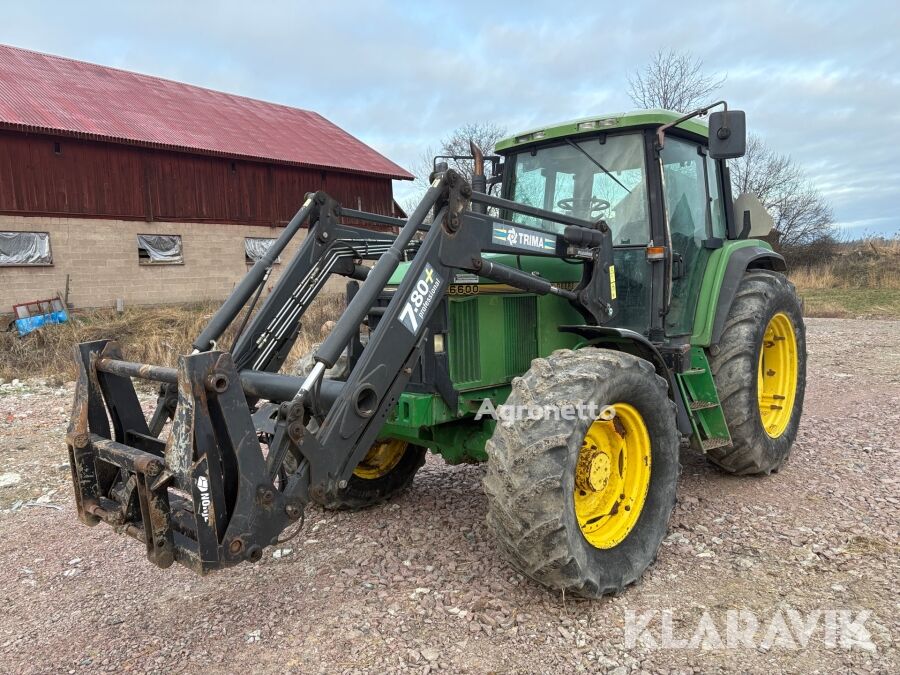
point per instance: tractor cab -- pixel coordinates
(668, 208)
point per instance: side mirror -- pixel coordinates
(727, 134)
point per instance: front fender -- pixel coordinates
(630, 342)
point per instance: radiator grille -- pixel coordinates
(520, 330)
(464, 348)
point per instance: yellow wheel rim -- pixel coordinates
(381, 459)
(777, 377)
(612, 477)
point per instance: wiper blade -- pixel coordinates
(598, 164)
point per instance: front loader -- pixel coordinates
(610, 295)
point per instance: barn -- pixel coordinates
(116, 185)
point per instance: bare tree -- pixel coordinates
(673, 80)
(421, 169)
(485, 135)
(802, 217)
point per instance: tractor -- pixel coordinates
(610, 305)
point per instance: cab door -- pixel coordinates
(695, 214)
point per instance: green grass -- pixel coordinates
(850, 303)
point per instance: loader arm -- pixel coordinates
(215, 491)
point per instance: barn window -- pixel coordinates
(256, 247)
(57, 148)
(160, 249)
(25, 248)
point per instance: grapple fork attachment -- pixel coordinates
(204, 496)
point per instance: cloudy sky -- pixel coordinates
(819, 80)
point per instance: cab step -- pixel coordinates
(713, 443)
(702, 402)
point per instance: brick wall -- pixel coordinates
(101, 259)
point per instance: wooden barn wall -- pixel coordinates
(105, 180)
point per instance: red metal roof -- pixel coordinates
(40, 92)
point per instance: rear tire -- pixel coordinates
(535, 475)
(765, 306)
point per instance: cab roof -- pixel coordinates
(591, 125)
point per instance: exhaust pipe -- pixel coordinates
(479, 181)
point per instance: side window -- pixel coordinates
(688, 209)
(685, 185)
(716, 202)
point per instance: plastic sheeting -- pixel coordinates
(25, 248)
(31, 323)
(161, 248)
(257, 247)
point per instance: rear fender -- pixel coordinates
(724, 271)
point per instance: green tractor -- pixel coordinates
(611, 303)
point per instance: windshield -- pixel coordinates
(590, 179)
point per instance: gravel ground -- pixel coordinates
(417, 585)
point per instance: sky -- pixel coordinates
(820, 81)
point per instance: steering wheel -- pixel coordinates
(595, 204)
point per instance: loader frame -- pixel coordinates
(210, 496)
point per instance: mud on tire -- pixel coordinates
(531, 472)
(761, 295)
(361, 493)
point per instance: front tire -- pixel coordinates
(582, 504)
(759, 369)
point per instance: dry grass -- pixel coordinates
(851, 303)
(844, 275)
(155, 335)
(861, 281)
(871, 263)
